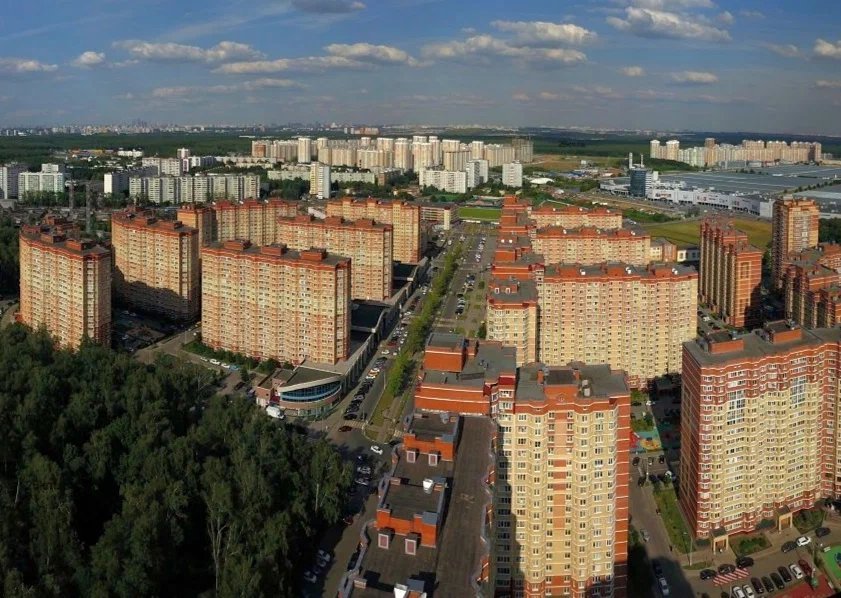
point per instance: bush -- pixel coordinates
(808, 519)
(746, 545)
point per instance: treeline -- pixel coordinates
(829, 230)
(121, 479)
(9, 259)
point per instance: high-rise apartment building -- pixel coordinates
(254, 221)
(456, 159)
(731, 273)
(512, 317)
(51, 179)
(65, 283)
(9, 177)
(320, 180)
(404, 218)
(575, 217)
(304, 150)
(156, 264)
(811, 285)
(590, 245)
(759, 421)
(273, 302)
(794, 227)
(635, 319)
(203, 219)
(366, 243)
(512, 175)
(446, 180)
(165, 166)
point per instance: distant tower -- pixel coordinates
(630, 160)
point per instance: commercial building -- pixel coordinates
(794, 228)
(9, 177)
(271, 302)
(320, 180)
(438, 214)
(449, 181)
(512, 317)
(404, 218)
(730, 273)
(642, 181)
(634, 318)
(51, 179)
(368, 245)
(156, 264)
(65, 283)
(425, 538)
(512, 175)
(590, 245)
(759, 420)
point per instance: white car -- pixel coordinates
(664, 587)
(376, 449)
(796, 571)
(310, 577)
(215, 362)
(385, 352)
(275, 412)
(804, 541)
(749, 591)
(225, 365)
(738, 592)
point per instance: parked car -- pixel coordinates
(778, 581)
(784, 573)
(769, 585)
(664, 587)
(804, 541)
(377, 450)
(310, 577)
(725, 568)
(349, 417)
(364, 469)
(788, 547)
(275, 412)
(635, 461)
(822, 531)
(214, 362)
(757, 585)
(749, 593)
(661, 459)
(796, 571)
(807, 568)
(645, 536)
(738, 592)
(707, 574)
(362, 481)
(657, 568)
(743, 562)
(323, 555)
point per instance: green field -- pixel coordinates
(687, 234)
(487, 214)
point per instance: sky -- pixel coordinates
(708, 65)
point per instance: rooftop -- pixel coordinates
(600, 379)
(512, 291)
(277, 252)
(409, 498)
(619, 269)
(491, 360)
(428, 426)
(757, 344)
(446, 340)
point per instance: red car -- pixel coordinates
(807, 570)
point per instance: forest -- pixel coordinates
(829, 230)
(122, 479)
(9, 261)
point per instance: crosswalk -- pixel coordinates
(723, 579)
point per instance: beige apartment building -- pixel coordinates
(404, 218)
(368, 245)
(794, 228)
(561, 500)
(731, 273)
(273, 302)
(512, 317)
(156, 264)
(759, 421)
(203, 219)
(590, 245)
(635, 319)
(575, 217)
(251, 220)
(65, 283)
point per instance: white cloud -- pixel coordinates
(785, 50)
(826, 84)
(647, 22)
(328, 6)
(551, 96)
(825, 49)
(11, 66)
(694, 78)
(486, 46)
(371, 53)
(632, 71)
(187, 90)
(673, 4)
(88, 59)
(542, 32)
(726, 17)
(171, 52)
(521, 97)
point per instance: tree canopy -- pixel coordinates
(9, 261)
(122, 479)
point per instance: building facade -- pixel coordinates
(575, 217)
(156, 264)
(320, 180)
(512, 175)
(512, 317)
(366, 243)
(65, 284)
(404, 218)
(730, 273)
(590, 245)
(9, 177)
(794, 228)
(274, 303)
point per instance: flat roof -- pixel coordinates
(446, 340)
(757, 346)
(429, 426)
(382, 568)
(408, 499)
(524, 290)
(491, 359)
(603, 381)
(366, 314)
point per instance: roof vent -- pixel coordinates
(428, 484)
(583, 272)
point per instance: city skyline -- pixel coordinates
(743, 65)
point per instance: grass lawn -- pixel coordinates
(687, 234)
(666, 500)
(487, 214)
(830, 565)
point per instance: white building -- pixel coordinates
(51, 179)
(320, 180)
(403, 154)
(118, 181)
(304, 150)
(451, 181)
(456, 159)
(193, 189)
(477, 173)
(165, 166)
(9, 175)
(512, 174)
(182, 152)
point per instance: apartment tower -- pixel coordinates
(156, 264)
(731, 273)
(65, 283)
(273, 302)
(794, 228)
(404, 218)
(512, 317)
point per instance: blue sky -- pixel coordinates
(748, 65)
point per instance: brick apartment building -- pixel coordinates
(368, 245)
(590, 245)
(794, 227)
(512, 316)
(251, 220)
(65, 283)
(812, 285)
(156, 264)
(575, 217)
(731, 273)
(273, 302)
(759, 420)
